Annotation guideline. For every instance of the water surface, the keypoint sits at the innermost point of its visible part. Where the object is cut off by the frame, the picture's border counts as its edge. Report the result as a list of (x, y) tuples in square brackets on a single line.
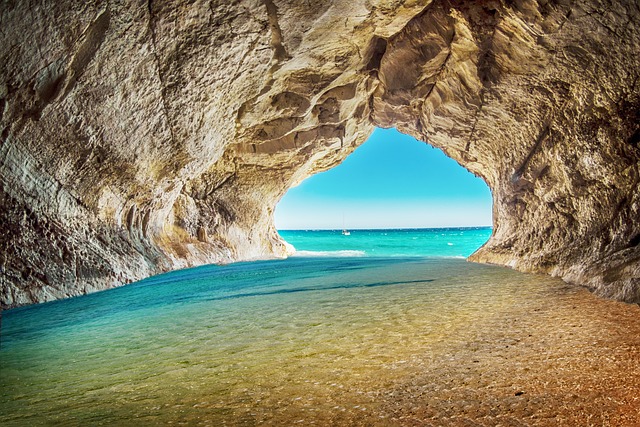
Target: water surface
[(423, 242), (325, 341)]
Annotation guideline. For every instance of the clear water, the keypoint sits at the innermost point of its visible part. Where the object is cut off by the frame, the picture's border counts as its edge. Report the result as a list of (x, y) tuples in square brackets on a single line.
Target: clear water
[(427, 242), (308, 340)]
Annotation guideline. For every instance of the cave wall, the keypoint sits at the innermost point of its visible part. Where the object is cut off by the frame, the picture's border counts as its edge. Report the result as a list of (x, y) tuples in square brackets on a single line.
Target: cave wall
[(541, 99), (139, 137)]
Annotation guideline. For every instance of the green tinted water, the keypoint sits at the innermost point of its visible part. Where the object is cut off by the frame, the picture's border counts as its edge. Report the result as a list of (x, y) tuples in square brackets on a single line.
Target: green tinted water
[(282, 341)]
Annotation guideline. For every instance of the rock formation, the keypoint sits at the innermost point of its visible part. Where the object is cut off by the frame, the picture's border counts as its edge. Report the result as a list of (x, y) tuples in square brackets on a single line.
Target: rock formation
[(141, 137)]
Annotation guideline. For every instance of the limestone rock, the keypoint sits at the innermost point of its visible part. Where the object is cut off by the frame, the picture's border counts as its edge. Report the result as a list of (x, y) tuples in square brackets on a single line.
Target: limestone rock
[(139, 137)]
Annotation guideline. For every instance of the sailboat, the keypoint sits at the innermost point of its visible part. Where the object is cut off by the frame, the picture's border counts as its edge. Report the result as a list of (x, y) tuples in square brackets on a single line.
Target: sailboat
[(345, 232)]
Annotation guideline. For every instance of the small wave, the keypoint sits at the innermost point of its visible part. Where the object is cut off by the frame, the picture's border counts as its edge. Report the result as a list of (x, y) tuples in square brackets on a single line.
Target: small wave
[(345, 253)]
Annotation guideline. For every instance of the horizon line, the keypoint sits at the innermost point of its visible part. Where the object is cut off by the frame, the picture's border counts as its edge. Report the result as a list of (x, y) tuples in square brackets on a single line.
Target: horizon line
[(386, 228)]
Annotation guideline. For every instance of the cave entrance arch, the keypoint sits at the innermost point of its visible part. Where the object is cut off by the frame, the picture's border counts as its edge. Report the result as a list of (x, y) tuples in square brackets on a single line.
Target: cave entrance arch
[(392, 181), (132, 161)]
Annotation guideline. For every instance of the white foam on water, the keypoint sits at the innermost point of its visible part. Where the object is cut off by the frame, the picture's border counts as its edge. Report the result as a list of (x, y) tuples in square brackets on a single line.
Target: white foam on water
[(344, 253)]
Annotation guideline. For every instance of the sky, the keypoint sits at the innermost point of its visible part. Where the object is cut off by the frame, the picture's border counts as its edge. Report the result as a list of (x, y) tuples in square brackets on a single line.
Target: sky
[(390, 181)]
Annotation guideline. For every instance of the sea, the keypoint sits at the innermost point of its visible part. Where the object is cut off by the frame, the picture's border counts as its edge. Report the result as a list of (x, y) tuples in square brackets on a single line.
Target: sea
[(378, 327), (410, 242)]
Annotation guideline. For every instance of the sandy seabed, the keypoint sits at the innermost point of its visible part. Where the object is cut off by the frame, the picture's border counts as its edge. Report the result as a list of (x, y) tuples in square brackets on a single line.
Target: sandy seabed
[(569, 359), (547, 355), (433, 343)]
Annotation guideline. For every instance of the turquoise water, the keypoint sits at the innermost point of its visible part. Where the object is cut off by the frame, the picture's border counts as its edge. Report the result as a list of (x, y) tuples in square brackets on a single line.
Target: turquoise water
[(326, 340), (308, 338), (427, 242)]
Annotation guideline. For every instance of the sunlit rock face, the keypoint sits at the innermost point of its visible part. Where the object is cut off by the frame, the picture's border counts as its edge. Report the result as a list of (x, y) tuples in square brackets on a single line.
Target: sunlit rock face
[(141, 137)]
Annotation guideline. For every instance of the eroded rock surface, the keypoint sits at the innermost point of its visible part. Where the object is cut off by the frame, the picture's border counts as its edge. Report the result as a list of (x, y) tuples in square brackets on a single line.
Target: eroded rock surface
[(139, 137)]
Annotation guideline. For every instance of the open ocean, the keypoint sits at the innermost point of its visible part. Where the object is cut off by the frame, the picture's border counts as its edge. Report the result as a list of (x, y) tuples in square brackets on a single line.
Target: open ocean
[(382, 327), (421, 242)]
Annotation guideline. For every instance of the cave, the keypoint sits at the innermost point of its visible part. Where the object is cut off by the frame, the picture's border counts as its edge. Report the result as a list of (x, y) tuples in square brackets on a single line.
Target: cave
[(141, 138)]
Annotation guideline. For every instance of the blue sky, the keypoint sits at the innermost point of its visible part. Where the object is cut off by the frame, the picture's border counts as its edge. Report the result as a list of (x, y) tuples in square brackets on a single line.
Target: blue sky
[(390, 181)]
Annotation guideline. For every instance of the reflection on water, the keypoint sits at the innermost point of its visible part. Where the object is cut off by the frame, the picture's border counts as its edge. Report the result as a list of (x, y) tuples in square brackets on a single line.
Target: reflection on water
[(358, 341)]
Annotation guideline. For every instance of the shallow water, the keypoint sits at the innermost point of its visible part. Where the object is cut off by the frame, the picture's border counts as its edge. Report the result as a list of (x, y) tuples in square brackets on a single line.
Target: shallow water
[(325, 341)]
